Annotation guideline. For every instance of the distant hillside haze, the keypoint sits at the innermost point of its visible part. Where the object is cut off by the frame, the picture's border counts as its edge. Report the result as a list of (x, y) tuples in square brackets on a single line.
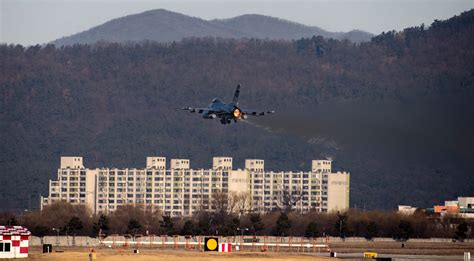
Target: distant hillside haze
[(165, 26), (259, 26)]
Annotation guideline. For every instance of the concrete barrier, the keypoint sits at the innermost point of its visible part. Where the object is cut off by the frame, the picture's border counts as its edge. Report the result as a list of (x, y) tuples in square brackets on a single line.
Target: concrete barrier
[(65, 241), (170, 240)]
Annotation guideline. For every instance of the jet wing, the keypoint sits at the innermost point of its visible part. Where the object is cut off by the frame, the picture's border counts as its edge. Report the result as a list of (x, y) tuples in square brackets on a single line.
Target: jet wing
[(204, 110), (256, 113), (197, 110)]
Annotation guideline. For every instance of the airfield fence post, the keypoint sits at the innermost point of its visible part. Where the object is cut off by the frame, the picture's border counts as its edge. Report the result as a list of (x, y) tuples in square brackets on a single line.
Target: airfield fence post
[(163, 242), (240, 244), (302, 242), (327, 244), (113, 241), (253, 243), (175, 244), (264, 243), (125, 242)]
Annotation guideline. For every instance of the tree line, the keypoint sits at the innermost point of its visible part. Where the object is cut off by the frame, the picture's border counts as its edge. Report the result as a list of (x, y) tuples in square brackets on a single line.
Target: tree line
[(66, 219)]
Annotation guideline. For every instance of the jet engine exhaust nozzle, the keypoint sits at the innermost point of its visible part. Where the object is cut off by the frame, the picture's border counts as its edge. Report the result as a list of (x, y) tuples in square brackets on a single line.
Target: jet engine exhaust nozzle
[(237, 113)]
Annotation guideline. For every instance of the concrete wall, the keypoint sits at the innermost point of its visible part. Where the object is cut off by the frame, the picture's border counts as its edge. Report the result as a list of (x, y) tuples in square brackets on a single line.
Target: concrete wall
[(180, 164), (222, 163), (321, 166), (238, 181), (64, 241), (338, 191), (94, 242), (71, 162), (156, 162), (256, 165), (466, 201)]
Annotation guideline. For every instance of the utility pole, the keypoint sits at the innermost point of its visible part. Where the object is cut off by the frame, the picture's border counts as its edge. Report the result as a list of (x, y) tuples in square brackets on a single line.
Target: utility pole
[(340, 228)]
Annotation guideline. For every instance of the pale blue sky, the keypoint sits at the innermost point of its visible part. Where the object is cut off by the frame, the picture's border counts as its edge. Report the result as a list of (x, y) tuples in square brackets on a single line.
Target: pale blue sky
[(39, 21)]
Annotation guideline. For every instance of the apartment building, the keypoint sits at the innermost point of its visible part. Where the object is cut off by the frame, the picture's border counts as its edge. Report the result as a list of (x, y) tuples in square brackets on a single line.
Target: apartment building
[(182, 191)]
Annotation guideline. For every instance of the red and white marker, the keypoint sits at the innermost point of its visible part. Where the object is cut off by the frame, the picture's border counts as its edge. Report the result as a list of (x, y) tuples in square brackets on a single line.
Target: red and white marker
[(225, 247)]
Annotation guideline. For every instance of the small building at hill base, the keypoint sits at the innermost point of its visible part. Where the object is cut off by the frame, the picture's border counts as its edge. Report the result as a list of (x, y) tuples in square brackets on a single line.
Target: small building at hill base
[(14, 242)]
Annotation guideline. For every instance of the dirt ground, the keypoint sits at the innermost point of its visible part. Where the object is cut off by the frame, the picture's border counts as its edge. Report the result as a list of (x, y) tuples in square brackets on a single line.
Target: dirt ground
[(146, 255), (447, 250), (409, 248)]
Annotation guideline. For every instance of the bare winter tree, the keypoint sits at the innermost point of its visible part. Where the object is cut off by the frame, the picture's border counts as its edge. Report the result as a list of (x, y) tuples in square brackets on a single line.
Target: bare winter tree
[(288, 199), (219, 202), (238, 202)]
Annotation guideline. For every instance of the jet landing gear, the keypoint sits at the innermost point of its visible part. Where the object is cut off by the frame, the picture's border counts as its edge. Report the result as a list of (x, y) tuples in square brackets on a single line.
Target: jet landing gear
[(225, 121)]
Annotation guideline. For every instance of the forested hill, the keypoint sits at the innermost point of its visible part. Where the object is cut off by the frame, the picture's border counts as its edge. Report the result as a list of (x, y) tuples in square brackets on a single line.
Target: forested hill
[(397, 111), (165, 26)]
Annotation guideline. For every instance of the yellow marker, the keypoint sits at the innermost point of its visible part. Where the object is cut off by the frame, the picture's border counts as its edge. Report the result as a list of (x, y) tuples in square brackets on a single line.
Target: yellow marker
[(211, 244), (370, 254)]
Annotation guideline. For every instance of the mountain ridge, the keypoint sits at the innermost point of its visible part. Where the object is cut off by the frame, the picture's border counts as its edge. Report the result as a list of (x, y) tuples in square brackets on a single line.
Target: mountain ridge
[(164, 26)]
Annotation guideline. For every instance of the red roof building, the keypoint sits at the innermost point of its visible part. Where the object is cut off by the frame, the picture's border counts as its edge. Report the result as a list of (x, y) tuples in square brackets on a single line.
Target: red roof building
[(14, 241)]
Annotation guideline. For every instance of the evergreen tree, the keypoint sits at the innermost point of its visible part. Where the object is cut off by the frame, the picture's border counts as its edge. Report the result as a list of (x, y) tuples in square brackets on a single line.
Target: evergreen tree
[(203, 226), (188, 228), (405, 230), (40, 231), (101, 226), (167, 225), (256, 223), (283, 224), (461, 231), (12, 222), (341, 225), (311, 230), (74, 225), (133, 226), (372, 230)]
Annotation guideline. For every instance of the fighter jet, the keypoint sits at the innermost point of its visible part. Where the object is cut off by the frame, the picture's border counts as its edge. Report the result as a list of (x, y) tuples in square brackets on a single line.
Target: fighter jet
[(226, 112)]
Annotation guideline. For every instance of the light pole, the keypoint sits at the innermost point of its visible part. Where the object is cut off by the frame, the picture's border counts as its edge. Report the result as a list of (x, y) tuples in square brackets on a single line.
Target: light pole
[(242, 231), (57, 235), (340, 228)]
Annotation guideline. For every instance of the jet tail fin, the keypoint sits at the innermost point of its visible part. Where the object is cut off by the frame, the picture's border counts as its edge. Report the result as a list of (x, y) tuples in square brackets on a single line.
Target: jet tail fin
[(235, 100)]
